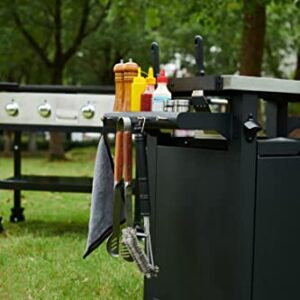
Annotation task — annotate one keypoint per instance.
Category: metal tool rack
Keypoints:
(19, 181)
(225, 219)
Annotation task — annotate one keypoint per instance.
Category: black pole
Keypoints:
(17, 210)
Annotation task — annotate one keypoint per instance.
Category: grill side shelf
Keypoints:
(270, 89)
(48, 183)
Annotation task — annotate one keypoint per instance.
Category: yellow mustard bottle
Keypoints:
(137, 88)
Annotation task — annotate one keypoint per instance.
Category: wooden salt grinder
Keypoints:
(130, 71)
(119, 86)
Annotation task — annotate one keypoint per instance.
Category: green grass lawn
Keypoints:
(41, 258)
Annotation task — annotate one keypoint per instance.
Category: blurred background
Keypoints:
(78, 42)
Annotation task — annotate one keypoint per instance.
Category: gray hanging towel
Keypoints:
(100, 224)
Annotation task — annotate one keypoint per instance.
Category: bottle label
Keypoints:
(158, 102)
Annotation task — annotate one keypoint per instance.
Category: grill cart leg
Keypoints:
(17, 211)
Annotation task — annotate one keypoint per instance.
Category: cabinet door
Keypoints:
(198, 225)
(277, 232)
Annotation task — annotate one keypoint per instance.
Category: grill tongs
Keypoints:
(122, 176)
(144, 261)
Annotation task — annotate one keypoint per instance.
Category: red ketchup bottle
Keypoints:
(146, 98)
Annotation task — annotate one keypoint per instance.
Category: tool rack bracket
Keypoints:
(220, 122)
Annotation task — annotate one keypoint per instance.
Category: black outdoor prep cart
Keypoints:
(225, 209)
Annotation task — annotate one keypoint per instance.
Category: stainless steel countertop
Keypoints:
(260, 84)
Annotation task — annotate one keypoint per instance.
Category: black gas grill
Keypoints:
(49, 108)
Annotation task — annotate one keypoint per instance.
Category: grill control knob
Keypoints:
(45, 110)
(88, 111)
(12, 108)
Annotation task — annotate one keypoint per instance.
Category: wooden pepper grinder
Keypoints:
(130, 71)
(119, 86)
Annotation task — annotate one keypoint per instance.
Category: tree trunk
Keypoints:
(57, 75)
(8, 142)
(56, 144)
(61, 55)
(32, 145)
(254, 15)
(253, 37)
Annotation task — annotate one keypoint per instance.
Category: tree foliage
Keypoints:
(79, 42)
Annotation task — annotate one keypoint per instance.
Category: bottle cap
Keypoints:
(162, 78)
(150, 78)
(130, 66)
(139, 78)
(119, 67)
